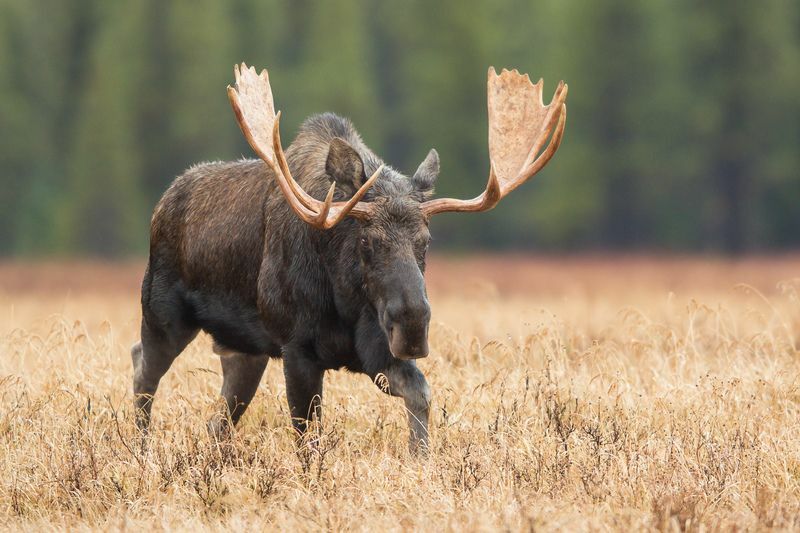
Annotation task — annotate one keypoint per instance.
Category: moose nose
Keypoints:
(407, 313)
(407, 329)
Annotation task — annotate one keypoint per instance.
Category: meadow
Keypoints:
(587, 393)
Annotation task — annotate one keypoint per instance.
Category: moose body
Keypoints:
(325, 271)
(228, 256)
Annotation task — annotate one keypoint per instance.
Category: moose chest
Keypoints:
(333, 347)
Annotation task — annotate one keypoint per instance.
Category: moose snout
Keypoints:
(407, 329)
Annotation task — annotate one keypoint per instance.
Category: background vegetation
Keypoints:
(684, 116)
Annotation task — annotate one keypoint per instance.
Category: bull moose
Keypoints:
(315, 255)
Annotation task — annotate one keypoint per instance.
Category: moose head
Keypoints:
(392, 237)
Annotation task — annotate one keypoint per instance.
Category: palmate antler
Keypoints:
(255, 111)
(519, 125)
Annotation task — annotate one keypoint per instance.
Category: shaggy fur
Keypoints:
(230, 257)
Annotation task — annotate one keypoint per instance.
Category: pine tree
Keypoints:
(102, 210)
(200, 55)
(333, 68)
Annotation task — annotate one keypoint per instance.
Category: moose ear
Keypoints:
(344, 165)
(425, 177)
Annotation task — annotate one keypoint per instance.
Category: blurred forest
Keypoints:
(683, 131)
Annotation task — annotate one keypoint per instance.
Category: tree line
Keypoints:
(683, 129)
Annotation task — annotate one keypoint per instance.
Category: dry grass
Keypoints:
(605, 393)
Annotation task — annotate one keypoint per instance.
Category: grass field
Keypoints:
(584, 393)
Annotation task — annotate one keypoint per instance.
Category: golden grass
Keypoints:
(578, 394)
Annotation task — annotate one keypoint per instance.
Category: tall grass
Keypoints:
(609, 403)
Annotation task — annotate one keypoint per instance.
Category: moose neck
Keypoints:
(335, 250)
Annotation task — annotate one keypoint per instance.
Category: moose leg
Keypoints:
(152, 357)
(241, 374)
(407, 381)
(303, 388)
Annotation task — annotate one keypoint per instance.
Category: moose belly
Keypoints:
(235, 327)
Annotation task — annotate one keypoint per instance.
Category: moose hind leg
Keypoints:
(407, 381)
(151, 358)
(241, 374)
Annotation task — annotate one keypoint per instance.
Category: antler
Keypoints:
(519, 125)
(252, 102)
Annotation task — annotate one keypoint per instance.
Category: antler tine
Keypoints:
(519, 126)
(339, 209)
(555, 105)
(550, 151)
(354, 207)
(322, 217)
(252, 103)
(306, 199)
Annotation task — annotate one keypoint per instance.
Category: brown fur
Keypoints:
(229, 256)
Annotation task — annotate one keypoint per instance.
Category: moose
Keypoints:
(315, 255)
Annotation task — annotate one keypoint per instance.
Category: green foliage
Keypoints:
(683, 128)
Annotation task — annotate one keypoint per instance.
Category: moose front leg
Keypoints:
(407, 381)
(303, 388)
(241, 374)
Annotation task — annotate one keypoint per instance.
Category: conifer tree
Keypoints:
(102, 210)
